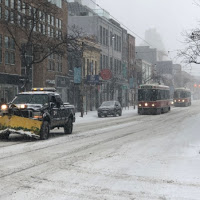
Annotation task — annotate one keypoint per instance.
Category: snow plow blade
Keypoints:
(20, 125)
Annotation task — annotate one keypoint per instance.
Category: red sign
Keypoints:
(106, 74)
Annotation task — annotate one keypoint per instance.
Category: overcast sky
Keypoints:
(169, 17)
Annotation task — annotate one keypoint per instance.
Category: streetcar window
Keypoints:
(147, 95)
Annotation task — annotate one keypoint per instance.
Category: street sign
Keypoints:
(77, 75)
(93, 79)
(106, 74)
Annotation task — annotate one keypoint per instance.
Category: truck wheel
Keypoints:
(44, 132)
(4, 136)
(68, 127)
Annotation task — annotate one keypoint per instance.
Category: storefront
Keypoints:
(9, 86)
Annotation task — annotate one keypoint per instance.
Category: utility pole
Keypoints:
(82, 83)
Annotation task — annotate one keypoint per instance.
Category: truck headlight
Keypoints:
(4, 107)
(23, 106)
(37, 115)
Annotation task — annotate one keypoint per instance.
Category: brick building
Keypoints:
(15, 17)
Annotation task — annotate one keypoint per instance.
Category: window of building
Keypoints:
(96, 72)
(7, 14)
(12, 4)
(111, 63)
(92, 67)
(10, 51)
(104, 61)
(57, 23)
(60, 23)
(7, 3)
(52, 20)
(0, 48)
(49, 19)
(24, 8)
(51, 32)
(60, 35)
(19, 5)
(101, 62)
(59, 63)
(51, 62)
(12, 17)
(88, 67)
(111, 38)
(43, 29)
(101, 35)
(106, 37)
(48, 31)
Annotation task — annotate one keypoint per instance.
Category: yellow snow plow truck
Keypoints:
(35, 113)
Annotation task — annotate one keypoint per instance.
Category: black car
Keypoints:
(44, 105)
(110, 108)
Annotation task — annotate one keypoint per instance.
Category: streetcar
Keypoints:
(153, 99)
(182, 97)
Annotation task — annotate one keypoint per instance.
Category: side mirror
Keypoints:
(52, 104)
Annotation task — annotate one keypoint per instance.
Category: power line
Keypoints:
(131, 30)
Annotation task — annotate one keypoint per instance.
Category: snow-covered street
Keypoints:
(133, 157)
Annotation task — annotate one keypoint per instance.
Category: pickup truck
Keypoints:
(35, 113)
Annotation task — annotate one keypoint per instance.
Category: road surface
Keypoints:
(143, 157)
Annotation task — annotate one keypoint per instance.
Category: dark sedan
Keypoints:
(110, 108)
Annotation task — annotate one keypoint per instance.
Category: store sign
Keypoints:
(61, 81)
(93, 79)
(77, 75)
(106, 74)
(51, 82)
(124, 70)
(131, 83)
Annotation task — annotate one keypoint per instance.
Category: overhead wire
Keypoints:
(131, 30)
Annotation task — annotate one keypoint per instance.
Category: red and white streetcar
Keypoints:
(153, 99)
(182, 97)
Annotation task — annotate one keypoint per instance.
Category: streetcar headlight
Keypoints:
(140, 105)
(146, 104)
(4, 107)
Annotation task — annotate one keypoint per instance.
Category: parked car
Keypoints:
(110, 108)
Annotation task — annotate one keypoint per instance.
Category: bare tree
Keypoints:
(191, 53)
(35, 41)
